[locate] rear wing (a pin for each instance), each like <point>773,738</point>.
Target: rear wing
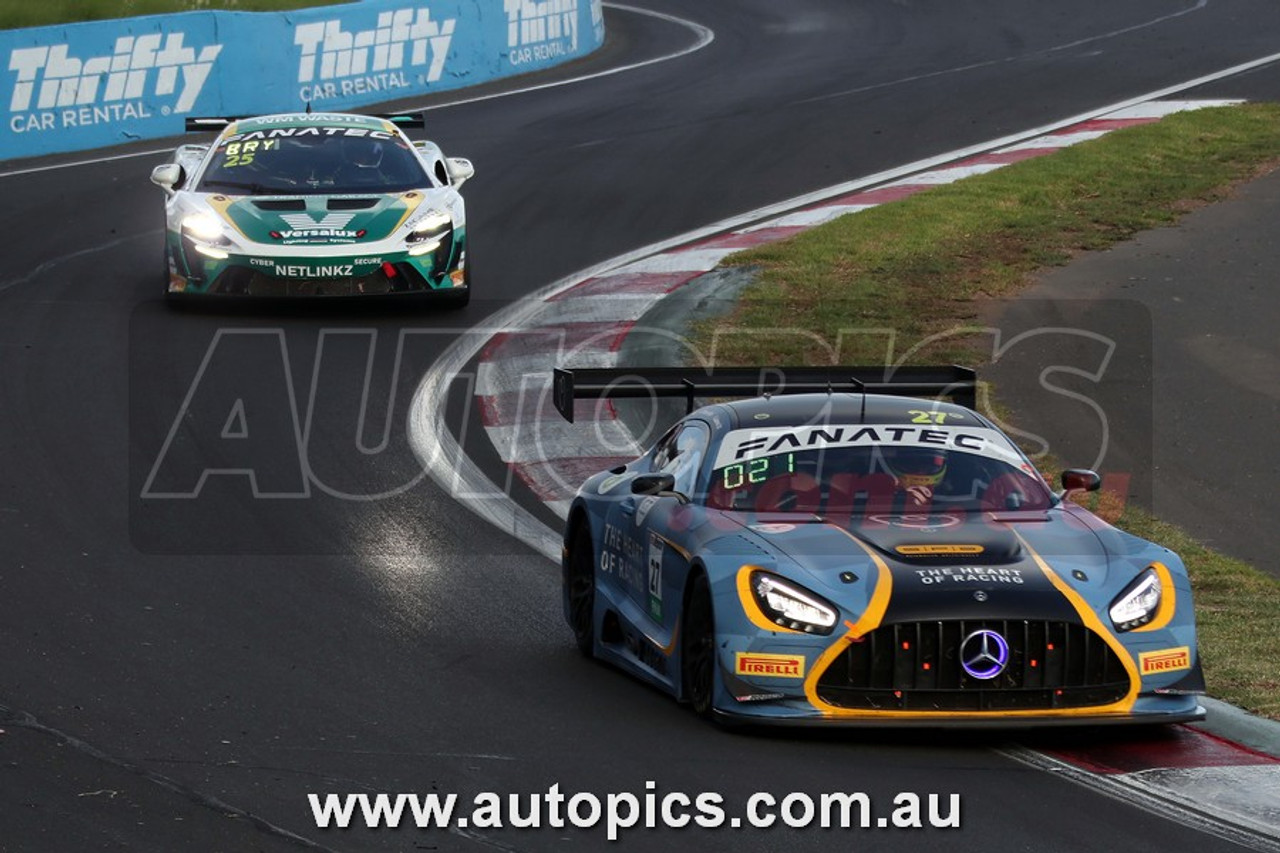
<point>959,383</point>
<point>412,121</point>
<point>203,123</point>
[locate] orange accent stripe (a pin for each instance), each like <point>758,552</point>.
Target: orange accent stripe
<point>683,552</point>
<point>1092,621</point>
<point>867,622</point>
<point>752,609</point>
<point>671,646</point>
<point>1168,600</point>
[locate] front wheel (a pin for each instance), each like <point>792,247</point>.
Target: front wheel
<point>581,580</point>
<point>698,660</point>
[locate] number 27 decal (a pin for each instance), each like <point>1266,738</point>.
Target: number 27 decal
<point>920,416</point>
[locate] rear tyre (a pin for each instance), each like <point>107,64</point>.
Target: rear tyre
<point>698,659</point>
<point>581,580</point>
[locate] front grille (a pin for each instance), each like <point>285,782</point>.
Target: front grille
<point>915,666</point>
<point>245,281</point>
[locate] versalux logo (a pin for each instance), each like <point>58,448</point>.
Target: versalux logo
<point>541,29</point>
<point>331,227</point>
<point>337,63</point>
<point>55,89</point>
<point>329,220</point>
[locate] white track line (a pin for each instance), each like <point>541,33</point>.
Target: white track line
<point>1131,789</point>
<point>990,63</point>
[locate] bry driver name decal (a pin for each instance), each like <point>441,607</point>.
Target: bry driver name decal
<point>142,75</point>
<point>769,666</point>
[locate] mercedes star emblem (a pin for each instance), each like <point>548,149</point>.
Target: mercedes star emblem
<point>983,654</point>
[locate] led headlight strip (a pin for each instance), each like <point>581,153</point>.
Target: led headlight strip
<point>791,606</point>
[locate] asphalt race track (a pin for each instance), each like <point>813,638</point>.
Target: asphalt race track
<point>183,660</point>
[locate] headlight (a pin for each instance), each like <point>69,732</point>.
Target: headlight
<point>1137,605</point>
<point>203,226</point>
<point>426,231</point>
<point>791,606</point>
<point>431,225</point>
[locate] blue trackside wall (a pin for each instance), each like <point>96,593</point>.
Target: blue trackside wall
<point>88,85</point>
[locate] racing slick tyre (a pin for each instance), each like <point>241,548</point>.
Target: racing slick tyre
<point>698,659</point>
<point>582,590</point>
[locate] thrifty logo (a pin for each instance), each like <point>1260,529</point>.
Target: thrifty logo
<point>100,89</point>
<point>541,29</point>
<point>337,63</point>
<point>1167,660</point>
<point>769,666</point>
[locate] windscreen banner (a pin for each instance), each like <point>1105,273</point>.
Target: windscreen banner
<point>100,83</point>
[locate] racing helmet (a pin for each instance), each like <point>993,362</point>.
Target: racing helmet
<point>915,466</point>
<point>362,152</point>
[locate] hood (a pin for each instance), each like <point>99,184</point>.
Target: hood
<point>946,566</point>
<point>317,220</point>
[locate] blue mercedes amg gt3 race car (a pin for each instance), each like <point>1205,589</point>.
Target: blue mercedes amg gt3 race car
<point>841,550</point>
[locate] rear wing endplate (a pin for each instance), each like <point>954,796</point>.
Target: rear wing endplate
<point>958,383</point>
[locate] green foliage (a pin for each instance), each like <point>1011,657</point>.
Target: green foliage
<point>924,264</point>
<point>15,15</point>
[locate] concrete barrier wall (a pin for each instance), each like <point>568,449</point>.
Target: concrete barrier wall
<point>93,84</point>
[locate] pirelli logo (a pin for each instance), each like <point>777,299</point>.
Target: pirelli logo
<point>937,550</point>
<point>1166,660</point>
<point>769,666</point>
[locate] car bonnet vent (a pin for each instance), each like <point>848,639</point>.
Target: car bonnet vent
<point>351,203</point>
<point>282,204</point>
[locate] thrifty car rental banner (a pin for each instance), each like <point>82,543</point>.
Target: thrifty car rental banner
<point>88,85</point>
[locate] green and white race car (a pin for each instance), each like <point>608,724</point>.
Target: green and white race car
<point>315,204</point>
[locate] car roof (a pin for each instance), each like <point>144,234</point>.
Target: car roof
<point>841,407</point>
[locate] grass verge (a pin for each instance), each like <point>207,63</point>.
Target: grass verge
<point>15,15</point>
<point>925,264</point>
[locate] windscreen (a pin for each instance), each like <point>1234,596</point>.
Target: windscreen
<point>859,469</point>
<point>310,160</point>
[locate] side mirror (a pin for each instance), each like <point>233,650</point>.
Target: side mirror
<point>460,169</point>
<point>652,484</point>
<point>1080,478</point>
<point>167,177</point>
